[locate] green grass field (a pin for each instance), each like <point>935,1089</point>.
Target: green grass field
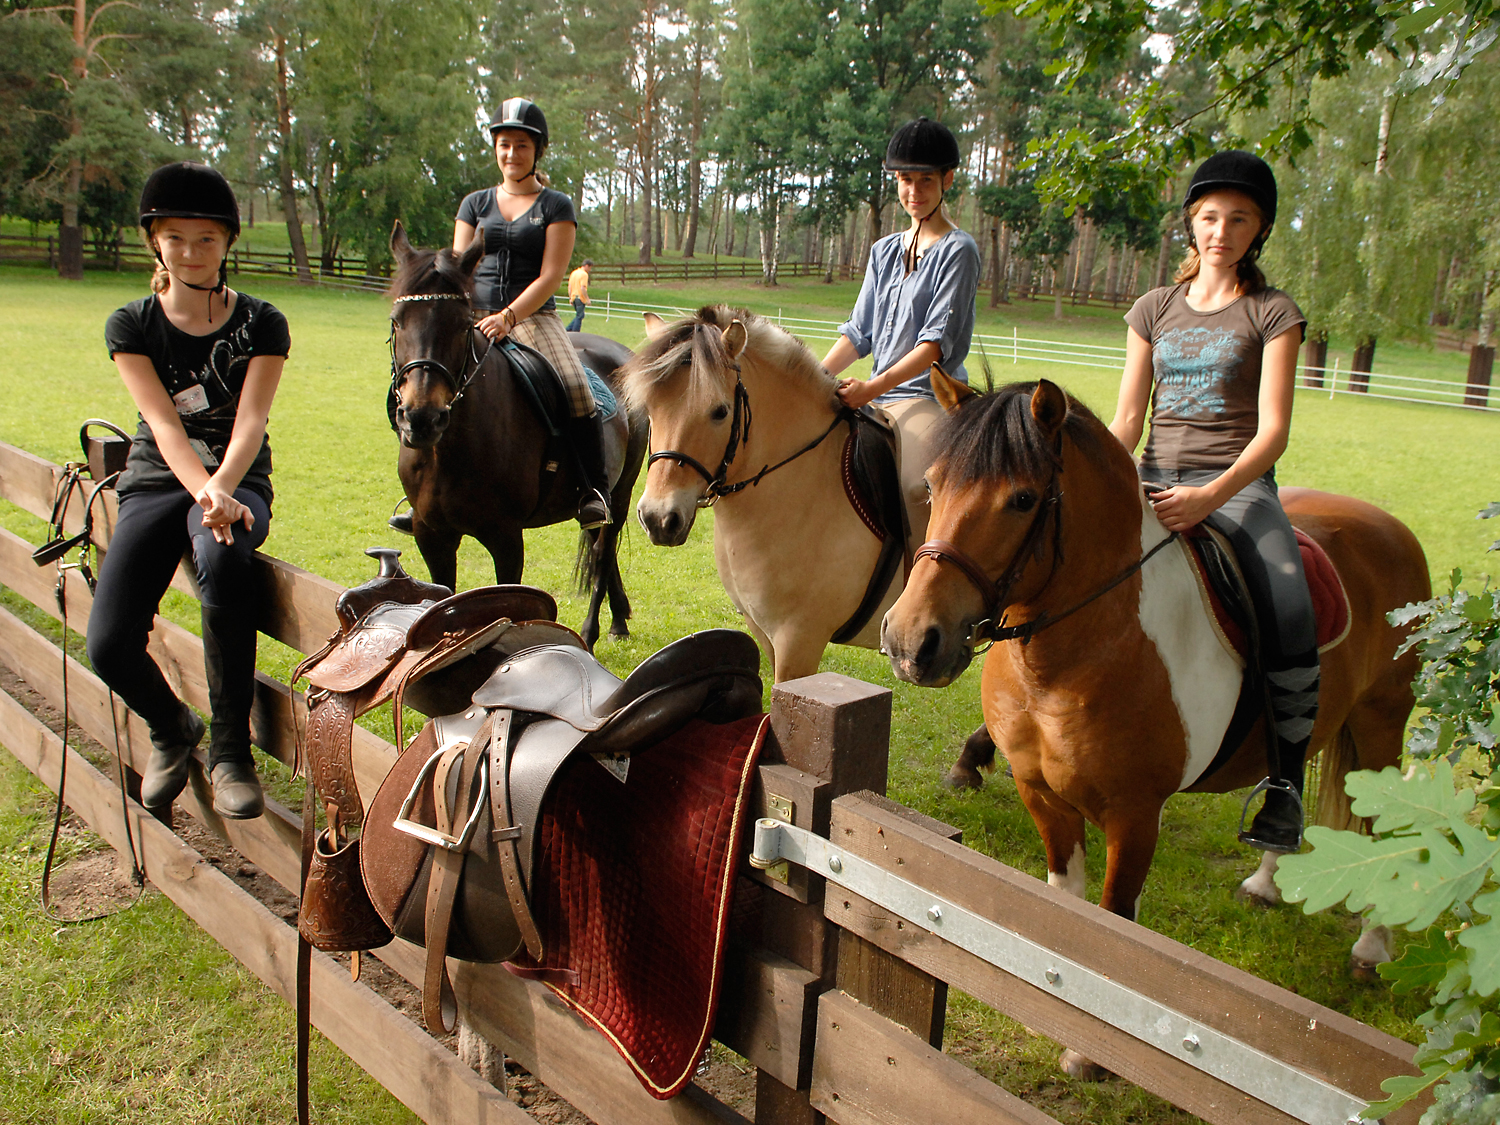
<point>335,475</point>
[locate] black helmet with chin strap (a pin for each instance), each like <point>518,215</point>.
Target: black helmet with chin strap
<point>518,113</point>
<point>186,190</point>
<point>1235,170</point>
<point>922,146</point>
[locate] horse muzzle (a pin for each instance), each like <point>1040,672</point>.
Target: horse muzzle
<point>420,427</point>
<point>667,520</point>
<point>925,653</point>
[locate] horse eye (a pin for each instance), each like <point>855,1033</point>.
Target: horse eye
<point>1023,501</point>
<point>719,413</point>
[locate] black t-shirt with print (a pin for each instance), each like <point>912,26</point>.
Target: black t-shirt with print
<point>204,376</point>
<point>512,249</point>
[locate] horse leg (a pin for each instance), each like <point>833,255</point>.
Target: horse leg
<point>1373,949</point>
<point>978,754</point>
<point>614,584</point>
<point>796,655</point>
<point>1261,888</point>
<point>1062,829</point>
<point>590,630</point>
<point>507,550</point>
<point>439,549</point>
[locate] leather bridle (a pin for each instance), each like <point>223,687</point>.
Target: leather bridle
<point>739,431</point>
<point>991,627</point>
<point>460,382</point>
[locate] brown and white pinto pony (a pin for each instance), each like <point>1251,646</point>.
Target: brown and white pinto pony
<point>1107,712</point>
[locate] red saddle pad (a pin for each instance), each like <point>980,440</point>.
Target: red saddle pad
<point>633,890</point>
<point>1329,598</point>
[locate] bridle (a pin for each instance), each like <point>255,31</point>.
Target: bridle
<point>460,382</point>
<point>739,431</point>
<point>991,627</point>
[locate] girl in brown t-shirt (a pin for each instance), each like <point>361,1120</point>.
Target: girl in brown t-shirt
<point>1215,356</point>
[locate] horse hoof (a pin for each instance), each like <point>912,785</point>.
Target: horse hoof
<point>1253,896</point>
<point>1366,972</point>
<point>620,630</point>
<point>1075,1065</point>
<point>964,777</point>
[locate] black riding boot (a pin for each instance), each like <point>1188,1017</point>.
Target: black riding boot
<point>1294,704</point>
<point>587,438</point>
<point>171,751</point>
<point>229,661</point>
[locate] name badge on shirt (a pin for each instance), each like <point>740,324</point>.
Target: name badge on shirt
<point>191,401</point>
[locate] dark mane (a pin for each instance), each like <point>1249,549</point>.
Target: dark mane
<point>430,271</point>
<point>993,436</point>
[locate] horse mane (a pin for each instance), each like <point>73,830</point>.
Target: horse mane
<point>430,271</point>
<point>692,342</point>
<point>993,436</point>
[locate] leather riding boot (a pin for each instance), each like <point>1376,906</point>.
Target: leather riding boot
<point>171,751</point>
<point>237,791</point>
<point>1293,696</point>
<point>404,522</point>
<point>586,435</point>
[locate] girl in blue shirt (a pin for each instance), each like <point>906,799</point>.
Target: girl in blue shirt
<point>916,306</point>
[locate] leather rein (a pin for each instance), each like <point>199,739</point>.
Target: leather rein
<point>739,431</point>
<point>989,629</point>
<point>459,383</point>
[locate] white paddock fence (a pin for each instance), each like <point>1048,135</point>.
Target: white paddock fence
<point>1000,350</point>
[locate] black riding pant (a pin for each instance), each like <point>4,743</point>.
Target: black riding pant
<point>152,533</point>
<point>1256,525</point>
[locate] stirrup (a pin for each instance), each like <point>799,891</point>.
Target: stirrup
<point>1269,786</point>
<point>604,501</point>
<point>402,521</point>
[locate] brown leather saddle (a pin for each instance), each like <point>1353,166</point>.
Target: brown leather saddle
<point>449,845</point>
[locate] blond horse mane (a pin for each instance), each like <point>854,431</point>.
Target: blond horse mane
<point>697,342</point>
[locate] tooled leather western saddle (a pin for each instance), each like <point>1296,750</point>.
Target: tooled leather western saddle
<point>448,847</point>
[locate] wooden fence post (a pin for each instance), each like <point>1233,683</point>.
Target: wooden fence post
<point>838,730</point>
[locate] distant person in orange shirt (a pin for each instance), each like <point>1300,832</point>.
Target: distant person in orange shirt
<point>578,293</point>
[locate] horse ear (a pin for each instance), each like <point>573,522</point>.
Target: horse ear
<point>471,256</point>
<point>655,325</point>
<point>736,336</point>
<point>1049,406</point>
<point>949,391</point>
<point>400,245</point>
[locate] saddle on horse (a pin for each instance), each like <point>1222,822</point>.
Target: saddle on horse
<point>448,851</point>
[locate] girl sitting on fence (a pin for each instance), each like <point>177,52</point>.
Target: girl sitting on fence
<point>916,305</point>
<point>1215,357</point>
<point>202,363</point>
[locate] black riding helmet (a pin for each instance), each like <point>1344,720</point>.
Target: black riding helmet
<point>518,113</point>
<point>190,191</point>
<point>1241,171</point>
<point>922,146</point>
<point>186,190</point>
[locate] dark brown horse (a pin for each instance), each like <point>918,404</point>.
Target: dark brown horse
<point>476,458</point>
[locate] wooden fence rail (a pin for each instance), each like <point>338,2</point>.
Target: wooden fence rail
<point>838,1003</point>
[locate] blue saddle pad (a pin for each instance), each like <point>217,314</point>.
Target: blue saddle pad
<point>604,397</point>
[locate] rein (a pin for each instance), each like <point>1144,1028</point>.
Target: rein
<point>994,593</point>
<point>459,383</point>
<point>739,430</point>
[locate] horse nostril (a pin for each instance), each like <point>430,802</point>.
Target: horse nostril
<point>932,641</point>
<point>670,523</point>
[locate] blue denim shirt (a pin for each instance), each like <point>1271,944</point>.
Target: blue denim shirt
<point>896,312</point>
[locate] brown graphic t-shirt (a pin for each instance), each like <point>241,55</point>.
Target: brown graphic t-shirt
<point>1206,372</point>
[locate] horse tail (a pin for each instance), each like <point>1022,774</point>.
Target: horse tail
<point>1332,806</point>
<point>586,564</point>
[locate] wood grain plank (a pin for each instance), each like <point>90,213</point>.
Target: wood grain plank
<point>871,1071</point>
<point>1312,1038</point>
<point>429,1080</point>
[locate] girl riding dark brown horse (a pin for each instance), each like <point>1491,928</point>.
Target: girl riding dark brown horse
<point>476,456</point>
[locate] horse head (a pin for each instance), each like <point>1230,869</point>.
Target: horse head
<point>432,336</point>
<point>995,535</point>
<point>687,380</point>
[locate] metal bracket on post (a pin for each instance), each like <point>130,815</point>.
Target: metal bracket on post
<point>1268,1079</point>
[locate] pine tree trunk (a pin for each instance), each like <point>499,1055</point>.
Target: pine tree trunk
<point>288,187</point>
<point>1164,260</point>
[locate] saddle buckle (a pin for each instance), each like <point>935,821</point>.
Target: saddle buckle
<point>459,843</point>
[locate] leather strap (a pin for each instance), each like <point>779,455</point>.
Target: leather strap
<point>329,759</point>
<point>439,1009</point>
<point>304,964</point>
<point>506,834</point>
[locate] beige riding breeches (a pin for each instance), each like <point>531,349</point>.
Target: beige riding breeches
<point>915,419</point>
<point>543,331</point>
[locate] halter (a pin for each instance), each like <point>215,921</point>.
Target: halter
<point>459,383</point>
<point>995,593</point>
<point>739,430</point>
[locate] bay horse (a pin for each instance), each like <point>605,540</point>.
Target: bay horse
<point>1107,699</point>
<point>474,455</point>
<point>791,551</point>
